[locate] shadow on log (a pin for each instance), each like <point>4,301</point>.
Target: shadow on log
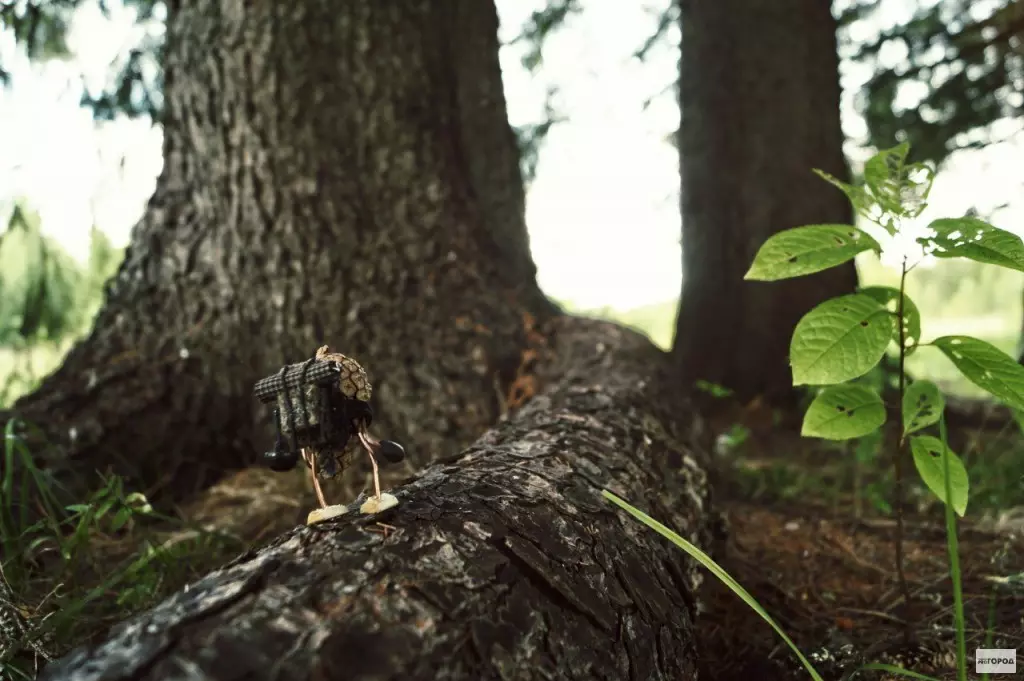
<point>501,562</point>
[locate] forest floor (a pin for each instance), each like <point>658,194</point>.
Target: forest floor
<point>810,537</point>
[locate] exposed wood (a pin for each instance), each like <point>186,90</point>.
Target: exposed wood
<point>502,563</point>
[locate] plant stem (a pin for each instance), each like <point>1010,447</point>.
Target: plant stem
<point>897,459</point>
<point>954,558</point>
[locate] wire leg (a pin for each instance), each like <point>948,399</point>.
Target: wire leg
<point>376,477</point>
<point>311,460</point>
<point>370,444</point>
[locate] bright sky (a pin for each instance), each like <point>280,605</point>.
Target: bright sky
<point>603,211</point>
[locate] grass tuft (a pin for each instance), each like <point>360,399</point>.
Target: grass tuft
<point>80,568</point>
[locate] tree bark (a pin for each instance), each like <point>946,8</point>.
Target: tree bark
<point>339,172</point>
<point>759,96</point>
<point>502,563</point>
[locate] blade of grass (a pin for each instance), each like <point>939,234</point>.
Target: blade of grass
<point>7,533</point>
<point>954,558</point>
<point>892,669</point>
<point>12,672</point>
<point>990,627</point>
<point>723,576</point>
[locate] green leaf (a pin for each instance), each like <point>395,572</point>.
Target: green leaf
<point>927,452</point>
<point>986,366</point>
<point>976,240</point>
<point>876,169</point>
<point>893,189</point>
<point>922,406</point>
<point>885,166</point>
<point>839,340</point>
<point>883,173</point>
<point>898,188</point>
<point>844,412</point>
<point>888,296</point>
<point>859,198</point>
<point>805,250</point>
<point>121,518</point>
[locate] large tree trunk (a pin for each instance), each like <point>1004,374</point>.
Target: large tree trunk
<point>502,563</point>
<point>759,95</point>
<point>338,172</point>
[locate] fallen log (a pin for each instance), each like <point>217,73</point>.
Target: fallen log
<point>502,562</point>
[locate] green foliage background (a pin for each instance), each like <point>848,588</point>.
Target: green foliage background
<point>47,298</point>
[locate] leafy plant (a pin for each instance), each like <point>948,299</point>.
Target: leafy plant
<point>844,338</point>
<point>841,341</point>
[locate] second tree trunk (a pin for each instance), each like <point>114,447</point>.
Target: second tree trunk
<point>759,95</point>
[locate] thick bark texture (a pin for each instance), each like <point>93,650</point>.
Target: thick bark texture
<point>503,562</point>
<point>759,95</point>
<point>335,171</point>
